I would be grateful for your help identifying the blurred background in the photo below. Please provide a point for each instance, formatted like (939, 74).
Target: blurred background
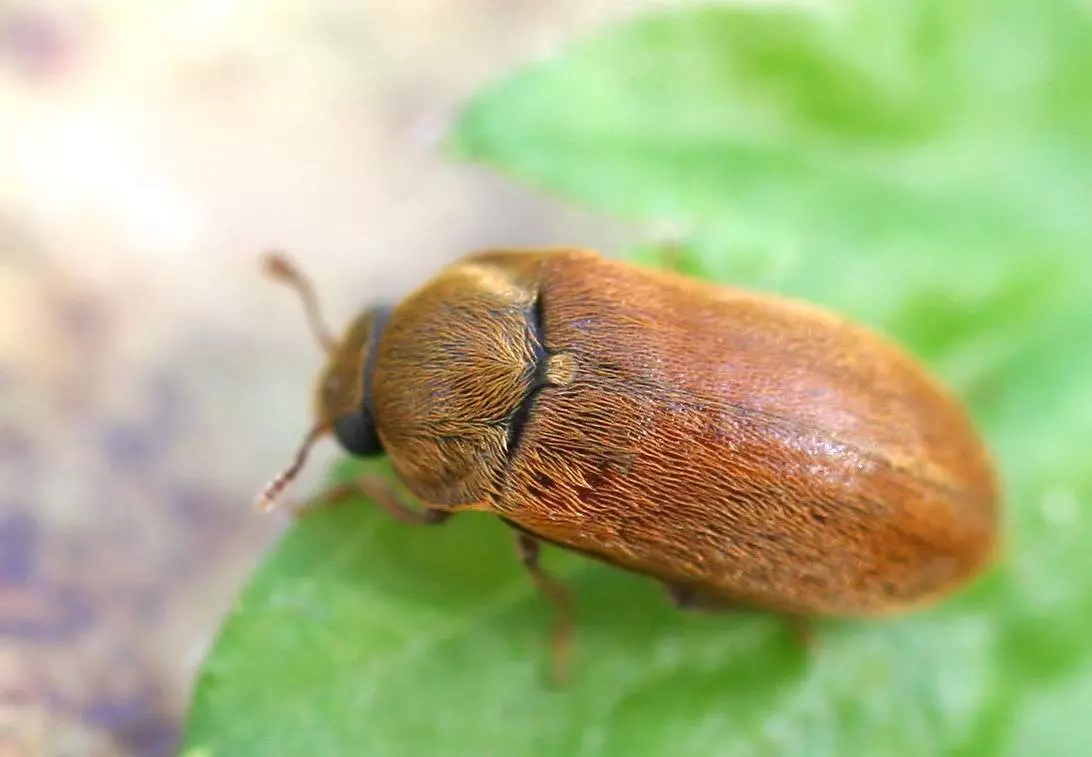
(150, 379)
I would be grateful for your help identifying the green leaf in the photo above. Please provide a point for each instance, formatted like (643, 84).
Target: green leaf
(922, 166)
(777, 139)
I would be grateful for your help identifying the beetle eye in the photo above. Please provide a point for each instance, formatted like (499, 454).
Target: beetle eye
(356, 433)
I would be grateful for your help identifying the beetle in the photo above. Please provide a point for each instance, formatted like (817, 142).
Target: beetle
(742, 449)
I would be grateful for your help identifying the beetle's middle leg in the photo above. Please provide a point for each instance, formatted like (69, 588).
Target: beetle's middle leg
(687, 598)
(529, 549)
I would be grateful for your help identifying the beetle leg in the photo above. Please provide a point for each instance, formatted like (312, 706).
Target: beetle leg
(670, 254)
(686, 598)
(800, 629)
(561, 641)
(380, 491)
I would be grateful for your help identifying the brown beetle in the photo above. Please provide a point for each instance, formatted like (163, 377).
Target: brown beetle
(742, 449)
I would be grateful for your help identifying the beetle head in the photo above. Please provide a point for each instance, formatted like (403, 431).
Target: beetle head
(343, 402)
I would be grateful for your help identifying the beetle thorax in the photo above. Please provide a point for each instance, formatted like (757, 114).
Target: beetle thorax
(456, 360)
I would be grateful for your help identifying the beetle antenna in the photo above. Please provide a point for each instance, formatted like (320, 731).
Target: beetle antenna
(277, 265)
(273, 491)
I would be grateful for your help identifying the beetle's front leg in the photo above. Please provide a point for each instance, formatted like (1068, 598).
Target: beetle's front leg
(380, 491)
